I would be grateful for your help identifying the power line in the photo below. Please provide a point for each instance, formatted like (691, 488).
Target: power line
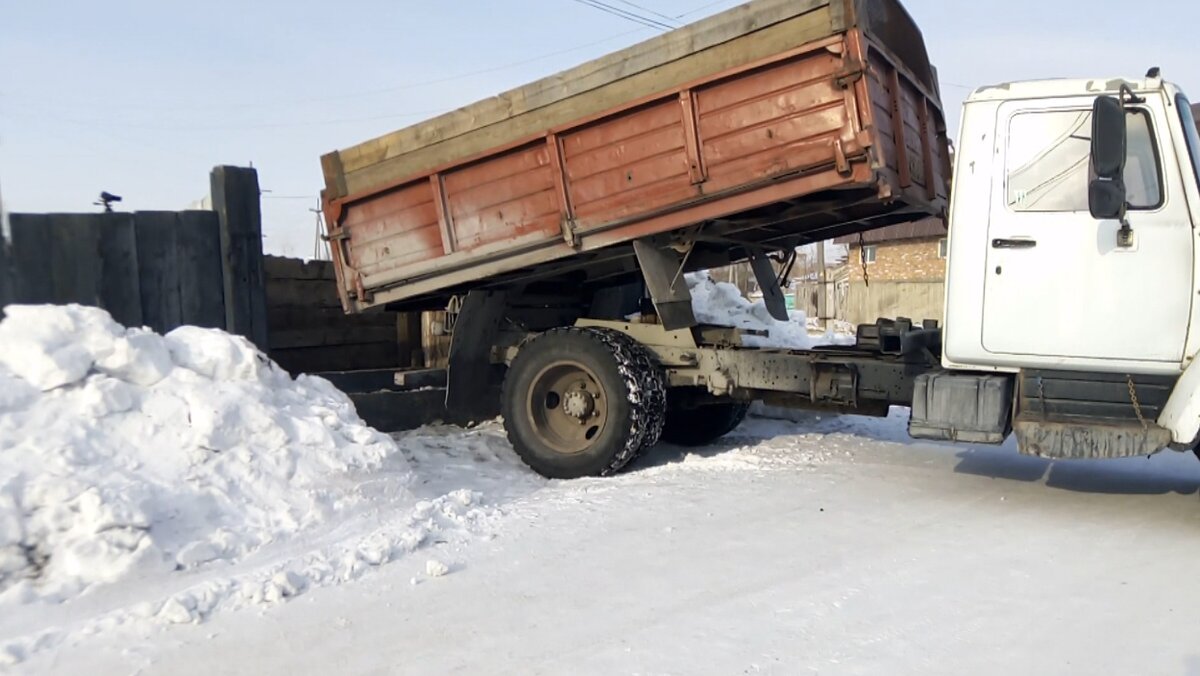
(138, 126)
(647, 23)
(701, 8)
(670, 19)
(628, 16)
(341, 96)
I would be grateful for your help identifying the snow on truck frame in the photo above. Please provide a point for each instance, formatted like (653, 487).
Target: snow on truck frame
(549, 214)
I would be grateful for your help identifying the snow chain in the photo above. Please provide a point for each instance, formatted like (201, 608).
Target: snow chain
(1137, 407)
(862, 257)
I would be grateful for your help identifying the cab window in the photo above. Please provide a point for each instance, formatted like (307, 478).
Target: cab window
(1048, 161)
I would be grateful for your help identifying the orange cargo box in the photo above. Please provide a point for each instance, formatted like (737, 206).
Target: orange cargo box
(771, 125)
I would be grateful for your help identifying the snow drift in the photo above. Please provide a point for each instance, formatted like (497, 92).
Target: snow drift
(721, 303)
(123, 452)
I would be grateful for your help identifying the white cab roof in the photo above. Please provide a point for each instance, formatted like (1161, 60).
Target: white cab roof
(1040, 89)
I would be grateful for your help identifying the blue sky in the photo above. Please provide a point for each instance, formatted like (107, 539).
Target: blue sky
(142, 98)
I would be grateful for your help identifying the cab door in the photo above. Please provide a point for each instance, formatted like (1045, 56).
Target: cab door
(1058, 288)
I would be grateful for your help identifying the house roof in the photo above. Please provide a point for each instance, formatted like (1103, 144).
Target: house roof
(926, 227)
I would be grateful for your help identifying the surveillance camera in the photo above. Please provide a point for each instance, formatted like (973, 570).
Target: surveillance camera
(109, 197)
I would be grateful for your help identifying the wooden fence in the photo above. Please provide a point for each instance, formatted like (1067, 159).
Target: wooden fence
(310, 332)
(164, 269)
(160, 269)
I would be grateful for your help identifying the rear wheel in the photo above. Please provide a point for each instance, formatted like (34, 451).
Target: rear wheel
(703, 424)
(582, 402)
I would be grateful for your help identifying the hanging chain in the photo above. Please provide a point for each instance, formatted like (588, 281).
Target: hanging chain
(862, 257)
(1042, 394)
(1137, 407)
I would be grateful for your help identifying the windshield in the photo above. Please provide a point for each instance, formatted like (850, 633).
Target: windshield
(1189, 129)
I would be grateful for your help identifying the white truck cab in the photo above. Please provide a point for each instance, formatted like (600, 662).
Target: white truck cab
(1082, 284)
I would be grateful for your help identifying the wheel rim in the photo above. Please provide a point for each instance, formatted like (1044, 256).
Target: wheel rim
(567, 407)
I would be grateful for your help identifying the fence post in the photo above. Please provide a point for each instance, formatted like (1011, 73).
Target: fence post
(7, 274)
(235, 198)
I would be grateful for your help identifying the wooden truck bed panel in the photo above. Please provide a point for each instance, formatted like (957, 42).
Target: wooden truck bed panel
(446, 204)
(783, 118)
(509, 196)
(640, 164)
(900, 110)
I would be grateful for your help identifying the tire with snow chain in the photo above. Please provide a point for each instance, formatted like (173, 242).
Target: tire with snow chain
(704, 424)
(582, 402)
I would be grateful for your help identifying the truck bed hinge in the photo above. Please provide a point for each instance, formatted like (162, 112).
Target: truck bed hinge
(569, 234)
(364, 296)
(852, 71)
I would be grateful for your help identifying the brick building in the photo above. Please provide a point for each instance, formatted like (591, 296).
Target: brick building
(897, 271)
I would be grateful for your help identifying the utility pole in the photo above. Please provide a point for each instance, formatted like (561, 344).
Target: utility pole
(320, 246)
(822, 299)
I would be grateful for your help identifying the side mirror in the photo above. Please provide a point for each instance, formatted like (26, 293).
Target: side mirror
(1106, 199)
(1106, 192)
(1108, 138)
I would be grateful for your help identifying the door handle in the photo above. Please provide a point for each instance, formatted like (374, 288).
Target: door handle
(1013, 243)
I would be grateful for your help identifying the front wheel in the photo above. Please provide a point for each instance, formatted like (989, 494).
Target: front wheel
(582, 402)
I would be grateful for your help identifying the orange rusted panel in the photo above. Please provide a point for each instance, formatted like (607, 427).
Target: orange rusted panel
(784, 118)
(509, 196)
(394, 229)
(633, 163)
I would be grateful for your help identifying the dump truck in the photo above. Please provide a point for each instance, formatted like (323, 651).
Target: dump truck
(556, 223)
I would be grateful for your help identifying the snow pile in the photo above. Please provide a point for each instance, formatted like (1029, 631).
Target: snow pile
(722, 304)
(124, 453)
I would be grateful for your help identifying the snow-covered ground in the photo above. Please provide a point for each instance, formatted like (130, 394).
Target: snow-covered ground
(176, 505)
(816, 545)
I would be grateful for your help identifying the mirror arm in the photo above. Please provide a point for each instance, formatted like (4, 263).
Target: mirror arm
(1128, 97)
(1125, 233)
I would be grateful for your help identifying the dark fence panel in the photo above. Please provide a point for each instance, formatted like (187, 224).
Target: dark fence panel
(77, 258)
(158, 253)
(180, 265)
(160, 269)
(120, 286)
(201, 291)
(310, 332)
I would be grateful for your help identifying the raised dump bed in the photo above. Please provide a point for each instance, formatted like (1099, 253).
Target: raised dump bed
(767, 126)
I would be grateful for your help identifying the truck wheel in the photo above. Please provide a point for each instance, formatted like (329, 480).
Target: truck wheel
(582, 402)
(703, 424)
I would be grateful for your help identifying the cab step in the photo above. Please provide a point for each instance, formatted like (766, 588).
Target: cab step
(1084, 439)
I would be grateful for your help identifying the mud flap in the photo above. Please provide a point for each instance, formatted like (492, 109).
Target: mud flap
(468, 375)
(769, 283)
(662, 271)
